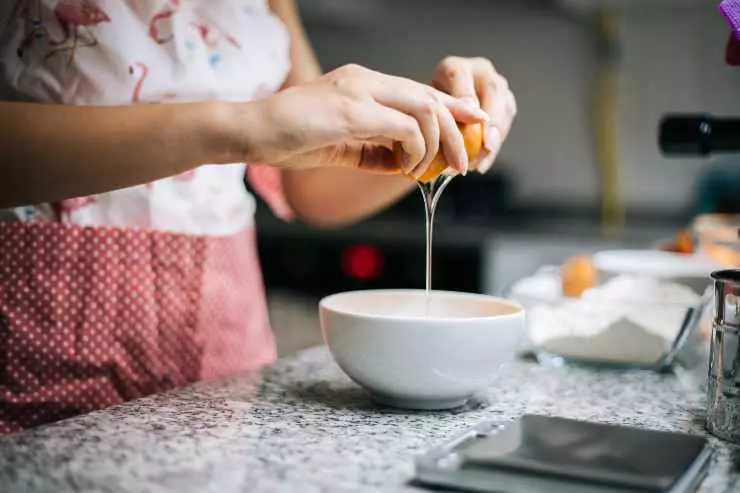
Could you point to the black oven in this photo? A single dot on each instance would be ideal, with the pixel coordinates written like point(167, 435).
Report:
point(381, 254)
point(388, 251)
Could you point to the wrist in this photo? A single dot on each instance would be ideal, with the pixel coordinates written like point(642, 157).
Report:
point(231, 133)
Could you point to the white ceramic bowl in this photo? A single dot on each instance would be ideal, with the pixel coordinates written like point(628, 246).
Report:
point(409, 358)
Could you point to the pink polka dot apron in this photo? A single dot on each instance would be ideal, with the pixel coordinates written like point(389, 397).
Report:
point(136, 291)
point(91, 316)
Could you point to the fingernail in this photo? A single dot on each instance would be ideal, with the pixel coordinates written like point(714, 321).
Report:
point(465, 164)
point(492, 140)
point(485, 163)
point(474, 107)
point(417, 171)
point(470, 103)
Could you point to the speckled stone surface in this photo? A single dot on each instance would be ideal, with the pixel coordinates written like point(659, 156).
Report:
point(303, 426)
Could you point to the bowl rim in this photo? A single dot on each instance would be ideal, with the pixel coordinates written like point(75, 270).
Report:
point(520, 311)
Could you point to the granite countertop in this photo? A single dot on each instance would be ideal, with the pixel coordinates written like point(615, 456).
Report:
point(302, 426)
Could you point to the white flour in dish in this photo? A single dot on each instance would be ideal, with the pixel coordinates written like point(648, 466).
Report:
point(628, 319)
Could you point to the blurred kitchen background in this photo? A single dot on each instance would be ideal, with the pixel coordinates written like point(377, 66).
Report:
point(581, 170)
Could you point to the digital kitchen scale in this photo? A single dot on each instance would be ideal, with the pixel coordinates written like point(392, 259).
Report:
point(540, 454)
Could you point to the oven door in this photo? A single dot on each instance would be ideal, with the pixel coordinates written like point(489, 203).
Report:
point(372, 255)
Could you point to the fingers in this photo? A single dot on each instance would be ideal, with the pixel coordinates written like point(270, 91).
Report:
point(496, 99)
point(453, 145)
point(476, 79)
point(372, 121)
point(498, 102)
point(463, 110)
point(484, 162)
point(455, 76)
point(379, 100)
point(433, 112)
point(436, 124)
point(426, 113)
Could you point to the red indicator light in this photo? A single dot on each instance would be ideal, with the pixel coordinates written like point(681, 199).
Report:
point(362, 262)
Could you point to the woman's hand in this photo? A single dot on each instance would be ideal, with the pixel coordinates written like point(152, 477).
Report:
point(476, 80)
point(351, 116)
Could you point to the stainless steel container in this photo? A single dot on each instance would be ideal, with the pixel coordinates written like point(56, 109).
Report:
point(723, 385)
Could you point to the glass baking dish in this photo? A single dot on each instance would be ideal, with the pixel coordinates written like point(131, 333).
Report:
point(623, 322)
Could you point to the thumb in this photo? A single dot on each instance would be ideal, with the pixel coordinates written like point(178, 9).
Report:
point(369, 156)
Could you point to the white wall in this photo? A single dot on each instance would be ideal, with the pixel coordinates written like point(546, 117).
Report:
point(672, 59)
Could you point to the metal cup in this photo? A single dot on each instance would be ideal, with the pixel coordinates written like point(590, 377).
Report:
point(723, 384)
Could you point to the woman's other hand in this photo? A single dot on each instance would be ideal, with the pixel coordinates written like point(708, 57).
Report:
point(351, 116)
point(477, 81)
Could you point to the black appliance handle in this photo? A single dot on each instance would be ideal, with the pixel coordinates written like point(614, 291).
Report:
point(698, 135)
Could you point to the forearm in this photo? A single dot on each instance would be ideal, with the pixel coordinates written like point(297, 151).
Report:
point(50, 152)
point(334, 197)
point(304, 66)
